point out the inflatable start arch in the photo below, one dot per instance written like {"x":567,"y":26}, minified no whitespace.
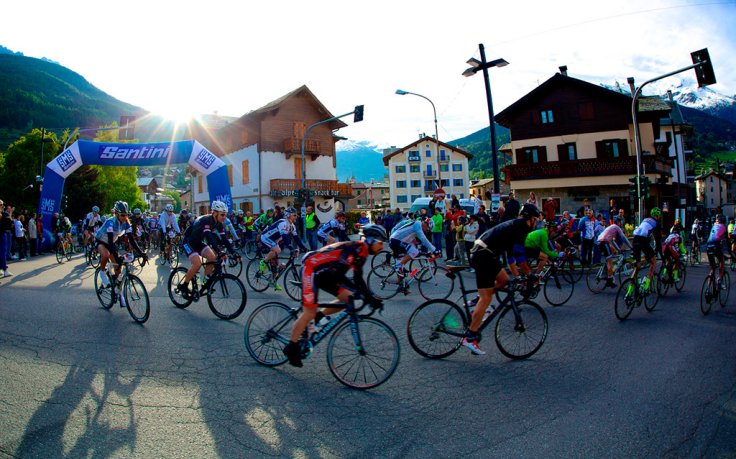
{"x":125,"y":154}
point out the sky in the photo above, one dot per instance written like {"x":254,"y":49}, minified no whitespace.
{"x":183,"y":58}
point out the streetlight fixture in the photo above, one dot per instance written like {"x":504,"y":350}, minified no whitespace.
{"x":401,"y":92}
{"x":475,"y":66}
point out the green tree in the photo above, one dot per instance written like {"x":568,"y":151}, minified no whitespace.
{"x":19,"y":167}
{"x":175,"y":196}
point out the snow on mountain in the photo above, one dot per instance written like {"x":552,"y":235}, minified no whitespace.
{"x":685,"y":91}
{"x":360,"y":159}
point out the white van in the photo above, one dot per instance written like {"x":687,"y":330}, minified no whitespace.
{"x":423,"y":203}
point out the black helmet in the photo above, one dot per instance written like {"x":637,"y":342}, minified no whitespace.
{"x":340,"y":214}
{"x":121,"y":207}
{"x":721,"y":219}
{"x":373,"y":232}
{"x":528,"y":211}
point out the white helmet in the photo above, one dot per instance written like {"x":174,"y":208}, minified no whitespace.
{"x":219,"y":206}
{"x":169,"y":208}
{"x":289,"y":212}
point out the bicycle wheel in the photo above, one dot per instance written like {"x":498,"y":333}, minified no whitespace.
{"x":293,"y":283}
{"x":234,"y":266}
{"x":257,"y":280}
{"x":696,"y":256}
{"x":726,"y":290}
{"x":575,"y":268}
{"x":558,"y":288}
{"x":250,"y":250}
{"x":681,"y":275}
{"x":175,"y":278}
{"x":173,"y":258}
{"x":384,"y":257}
{"x":625,"y":271}
{"x":651,"y":297}
{"x":383,"y":287}
{"x":226,"y":296}
{"x":94,"y":258}
{"x":663,"y":284}
{"x":423,"y":275}
{"x":707,"y":296}
{"x":596,"y":279}
{"x":520,"y":337}
{"x":366,"y":364}
{"x":436,"y":328}
{"x":435,"y":285}
{"x":625,"y":299}
{"x":59,"y":254}
{"x":267,"y":332}
{"x":104,"y":294}
{"x":136,"y":299}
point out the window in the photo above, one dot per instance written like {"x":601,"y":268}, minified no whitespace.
{"x":457,"y":182}
{"x":360,"y":202}
{"x":414,"y":197}
{"x":401,"y":184}
{"x":429,"y":172}
{"x":414,"y":168}
{"x":462,"y":195}
{"x":547,"y":117}
{"x":414,"y":155}
{"x":443,"y":156}
{"x":400,"y":169}
{"x":428,"y":153}
{"x":444,"y":167}
{"x":611,"y":148}
{"x":457,"y":168}
{"x":416,"y":183}
{"x":567,"y":152}
{"x":246,"y":174}
{"x":401,"y":198}
{"x":430,"y":185}
{"x":445,"y":182}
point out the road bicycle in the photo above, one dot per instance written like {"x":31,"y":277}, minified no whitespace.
{"x":557,"y":280}
{"x":170,"y":254}
{"x":91,"y":255}
{"x":436,"y":327}
{"x":597,"y":278}
{"x":226,"y":295}
{"x":127,"y":290}
{"x":362,"y":352}
{"x":571,"y":261}
{"x":693,"y":254}
{"x":289,"y":271}
{"x":713,"y":290}
{"x":632,"y":294}
{"x":666,"y":276}
{"x":63,"y":248}
{"x":384,"y":280}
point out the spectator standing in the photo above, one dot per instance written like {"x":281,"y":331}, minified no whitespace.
{"x":6,"y":224}
{"x":484,"y":221}
{"x":550,"y":210}
{"x":511,"y":209}
{"x":312,"y":226}
{"x":587,"y":237}
{"x":459,"y":231}
{"x":582,"y":211}
{"x":471,"y":233}
{"x":437,"y":227}
{"x":612,"y":210}
{"x":532,"y":199}
{"x":388,"y":221}
{"x":447,"y":230}
{"x":20,"y":236}
{"x":622,"y":216}
{"x":33,"y":235}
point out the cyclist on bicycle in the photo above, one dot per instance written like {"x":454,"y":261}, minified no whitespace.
{"x":672,"y":249}
{"x":105,"y":238}
{"x":335,"y":227}
{"x":696,"y":233}
{"x":537,"y":245}
{"x":183,"y":221}
{"x":280,"y":234}
{"x":716,"y":239}
{"x":91,"y":222}
{"x":203,"y":238}
{"x":167,"y":222}
{"x":64,"y":228}
{"x":648,"y":227}
{"x":263,"y":221}
{"x":402,"y":242}
{"x":138,"y":222}
{"x":607,"y":246}
{"x":485,"y":256}
{"x":326,"y":269}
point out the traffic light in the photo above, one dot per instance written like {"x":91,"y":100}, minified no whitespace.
{"x":358,"y":114}
{"x":632,"y":187}
{"x":704,"y":72}
{"x":645,"y":183}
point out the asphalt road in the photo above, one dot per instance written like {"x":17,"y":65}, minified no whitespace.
{"x":80,"y":381}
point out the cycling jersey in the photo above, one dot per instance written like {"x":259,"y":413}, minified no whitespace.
{"x":673,"y":245}
{"x":717,"y":233}
{"x":262,"y":222}
{"x":229,"y":227}
{"x":112,"y":230}
{"x":613,"y":233}
{"x":138,"y":224}
{"x":508,"y":237}
{"x":326,"y":268}
{"x":330,"y":228}
{"x":409,"y":231}
{"x":92,"y":220}
{"x":63,"y":225}
{"x":152,"y":224}
{"x":205,"y":232}
{"x":281,"y":230}
{"x":539,"y":240}
{"x":646,"y":228}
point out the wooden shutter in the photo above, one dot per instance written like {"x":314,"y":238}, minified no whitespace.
{"x":300,"y":128}
{"x":297,"y":168}
{"x":542,"y":154}
{"x":520,"y":158}
{"x":230,"y":174}
{"x":600,"y":149}
{"x":246,"y":174}
{"x":623,"y":147}
{"x":199,"y":182}
{"x":562,"y":152}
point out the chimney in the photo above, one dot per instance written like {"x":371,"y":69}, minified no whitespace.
{"x":669,"y":95}
{"x":632,"y":85}
{"x":563,"y":70}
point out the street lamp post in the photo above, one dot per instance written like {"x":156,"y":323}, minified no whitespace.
{"x":475,"y":66}
{"x":401,"y":92}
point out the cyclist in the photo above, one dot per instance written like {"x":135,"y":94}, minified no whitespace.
{"x":537,"y":245}
{"x":326,"y":269}
{"x":167,"y":222}
{"x":138,"y":222}
{"x":695,"y":234}
{"x":91,"y":222}
{"x":732,"y":235}
{"x":402,"y":242}
{"x":607,"y":246}
{"x":507,"y":237}
{"x":105,"y":238}
{"x":673,"y":248}
{"x":716,"y":240}
{"x":183,"y":220}
{"x":204,"y":238}
{"x":280,"y":234}
{"x":648,"y":227}
{"x":335,"y":227}
{"x":64,"y":228}
{"x":263,"y":221}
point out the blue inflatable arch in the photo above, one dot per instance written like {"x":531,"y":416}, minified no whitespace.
{"x":125,"y":154}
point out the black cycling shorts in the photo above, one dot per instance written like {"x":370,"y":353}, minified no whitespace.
{"x":194,"y":248}
{"x":487,"y":265}
{"x":605,"y":249}
{"x":641,"y":244}
{"x":715,"y":250}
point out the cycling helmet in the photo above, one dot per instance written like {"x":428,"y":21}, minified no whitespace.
{"x":136,"y":211}
{"x":219,"y":206}
{"x":721,"y":219}
{"x":655,"y":212}
{"x":240,"y":211}
{"x":121,"y":207}
{"x":528,"y":211}
{"x":96,"y":209}
{"x":184,"y":211}
{"x":289,"y":211}
{"x":169,"y":208}
{"x":373,"y":233}
{"x":340,"y":214}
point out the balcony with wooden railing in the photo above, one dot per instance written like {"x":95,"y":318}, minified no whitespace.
{"x":589,"y":168}
{"x":324,"y":188}
{"x":293,"y":146}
